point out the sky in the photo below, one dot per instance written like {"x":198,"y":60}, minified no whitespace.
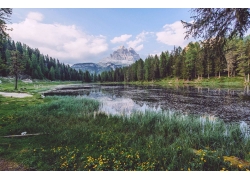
{"x":78,"y":35}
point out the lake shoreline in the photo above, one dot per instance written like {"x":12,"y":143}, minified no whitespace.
{"x":230,"y":105}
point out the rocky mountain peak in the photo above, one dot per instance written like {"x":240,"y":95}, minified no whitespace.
{"x":122,"y":56}
{"x":119,"y":58}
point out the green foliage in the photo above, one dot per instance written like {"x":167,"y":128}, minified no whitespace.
{"x":218,"y":23}
{"x":36,"y":65}
{"x":189,"y":64}
{"x":16,"y":65}
{"x":163,"y":65}
{"x":244,"y":57}
{"x":5,"y":14}
{"x":140,"y":72}
{"x":52,"y":73}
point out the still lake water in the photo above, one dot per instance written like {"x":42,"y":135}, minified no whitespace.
{"x":226,"y":104}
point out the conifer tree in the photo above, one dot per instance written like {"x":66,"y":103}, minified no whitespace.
{"x":16,"y":65}
{"x":52,"y":73}
{"x":140,"y":70}
{"x":244,"y":58}
{"x":163,"y":65}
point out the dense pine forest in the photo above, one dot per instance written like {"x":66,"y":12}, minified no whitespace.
{"x":31,"y":63}
{"x":192,"y":62}
{"x":189,"y":63}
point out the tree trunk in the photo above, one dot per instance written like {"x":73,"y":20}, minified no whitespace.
{"x":248,"y":72}
{"x":219,"y":74}
{"x":16,"y":82}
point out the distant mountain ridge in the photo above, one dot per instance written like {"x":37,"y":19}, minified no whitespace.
{"x":119,"y":58}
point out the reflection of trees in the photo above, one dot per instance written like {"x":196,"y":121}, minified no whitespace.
{"x":246,"y":90}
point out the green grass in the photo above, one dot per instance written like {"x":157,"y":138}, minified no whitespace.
{"x":222,"y":82}
{"x":36,"y":86}
{"x":78,"y":137}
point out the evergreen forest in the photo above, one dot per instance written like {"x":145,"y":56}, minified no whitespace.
{"x":192,"y":62}
{"x":189,"y":63}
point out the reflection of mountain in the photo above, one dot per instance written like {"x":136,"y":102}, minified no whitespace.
{"x":118,"y":105}
{"x":119,"y":58}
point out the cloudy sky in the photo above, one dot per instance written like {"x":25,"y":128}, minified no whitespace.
{"x":75,"y":35}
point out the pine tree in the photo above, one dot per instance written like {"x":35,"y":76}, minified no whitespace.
{"x":147,"y":67}
{"x":16,"y":65}
{"x":5,"y":14}
{"x":170,"y":64}
{"x":140,"y":70}
{"x":163,"y":65}
{"x":244,"y":59}
{"x":95,"y":77}
{"x":156,"y":65}
{"x":2,"y":65}
{"x":184,"y":70}
{"x":52,"y":73}
{"x":177,"y":62}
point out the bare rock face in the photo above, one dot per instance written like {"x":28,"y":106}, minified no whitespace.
{"x":119,"y":58}
{"x":122,"y":56}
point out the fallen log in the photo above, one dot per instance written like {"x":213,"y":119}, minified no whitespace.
{"x":9,"y":136}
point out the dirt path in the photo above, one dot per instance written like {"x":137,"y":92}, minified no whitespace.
{"x":18,"y":95}
{"x":11,"y":166}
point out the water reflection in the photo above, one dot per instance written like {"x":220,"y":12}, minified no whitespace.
{"x":226,"y":104}
{"x":246,"y":90}
{"x":111,"y":104}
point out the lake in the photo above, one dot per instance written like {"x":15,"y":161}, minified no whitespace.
{"x":230,"y":105}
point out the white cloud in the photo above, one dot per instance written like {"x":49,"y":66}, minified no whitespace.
{"x":173,"y":34}
{"x":138,"y":48}
{"x":137,"y":43}
{"x":35,"y":16}
{"x":65,"y":42}
{"x":122,"y":38}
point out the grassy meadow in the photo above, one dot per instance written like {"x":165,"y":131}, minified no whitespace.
{"x":35,"y":87}
{"x":213,"y":82}
{"x":76,"y":136}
